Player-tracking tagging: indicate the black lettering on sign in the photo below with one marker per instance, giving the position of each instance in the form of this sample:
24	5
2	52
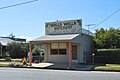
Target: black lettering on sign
62	27
69	23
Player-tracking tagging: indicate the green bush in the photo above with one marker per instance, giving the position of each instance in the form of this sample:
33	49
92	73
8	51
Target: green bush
108	52
107	56
17	50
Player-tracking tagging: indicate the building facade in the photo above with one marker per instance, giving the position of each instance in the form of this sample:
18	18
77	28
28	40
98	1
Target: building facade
65	42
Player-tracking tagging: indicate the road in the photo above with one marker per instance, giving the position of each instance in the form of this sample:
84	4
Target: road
44	74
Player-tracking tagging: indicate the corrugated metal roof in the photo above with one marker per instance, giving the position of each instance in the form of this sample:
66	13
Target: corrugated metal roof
62	37
56	37
87	32
5	41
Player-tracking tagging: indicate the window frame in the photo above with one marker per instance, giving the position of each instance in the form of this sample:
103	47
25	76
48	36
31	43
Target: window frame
58	49
64	49
54	53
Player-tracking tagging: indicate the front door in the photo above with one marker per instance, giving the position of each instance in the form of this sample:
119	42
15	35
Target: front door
74	53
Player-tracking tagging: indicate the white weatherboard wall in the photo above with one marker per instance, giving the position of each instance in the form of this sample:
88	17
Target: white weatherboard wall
55	58
87	40
84	49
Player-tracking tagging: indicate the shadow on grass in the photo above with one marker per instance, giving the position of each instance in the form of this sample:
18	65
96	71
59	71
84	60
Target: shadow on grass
93	65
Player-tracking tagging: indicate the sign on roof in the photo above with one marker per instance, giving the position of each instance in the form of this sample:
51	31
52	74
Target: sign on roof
63	27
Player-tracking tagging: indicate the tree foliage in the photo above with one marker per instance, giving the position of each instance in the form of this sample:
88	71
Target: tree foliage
17	50
36	50
107	38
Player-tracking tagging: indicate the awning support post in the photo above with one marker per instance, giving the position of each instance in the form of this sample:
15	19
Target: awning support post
30	54
70	54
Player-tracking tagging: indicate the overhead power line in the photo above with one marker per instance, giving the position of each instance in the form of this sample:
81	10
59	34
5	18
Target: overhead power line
17	4
106	18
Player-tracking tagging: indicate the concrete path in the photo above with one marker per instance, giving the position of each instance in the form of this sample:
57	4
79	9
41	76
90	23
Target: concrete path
41	65
62	66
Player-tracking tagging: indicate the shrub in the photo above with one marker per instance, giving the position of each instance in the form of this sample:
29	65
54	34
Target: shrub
108	52
107	56
17	50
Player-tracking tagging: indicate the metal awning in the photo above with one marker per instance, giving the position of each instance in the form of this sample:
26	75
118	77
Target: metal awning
55	38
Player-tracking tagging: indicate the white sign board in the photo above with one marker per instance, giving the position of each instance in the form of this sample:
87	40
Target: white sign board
63	27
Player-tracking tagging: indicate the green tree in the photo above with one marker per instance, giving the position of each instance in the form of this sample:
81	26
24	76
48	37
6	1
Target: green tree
107	38
24	49
13	49
98	38
17	50
36	50
112	38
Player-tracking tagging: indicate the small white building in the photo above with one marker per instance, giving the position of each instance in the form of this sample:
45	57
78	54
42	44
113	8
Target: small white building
65	42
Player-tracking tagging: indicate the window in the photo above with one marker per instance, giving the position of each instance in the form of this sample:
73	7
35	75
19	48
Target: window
62	51
54	48
54	51
62	45
58	49
54	45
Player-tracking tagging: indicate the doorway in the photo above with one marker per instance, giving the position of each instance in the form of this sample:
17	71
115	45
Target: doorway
74	53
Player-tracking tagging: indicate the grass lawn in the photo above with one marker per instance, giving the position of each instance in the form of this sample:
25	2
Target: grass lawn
108	67
4	64
11	59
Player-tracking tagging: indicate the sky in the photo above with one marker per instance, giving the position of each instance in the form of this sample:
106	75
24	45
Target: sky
28	20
